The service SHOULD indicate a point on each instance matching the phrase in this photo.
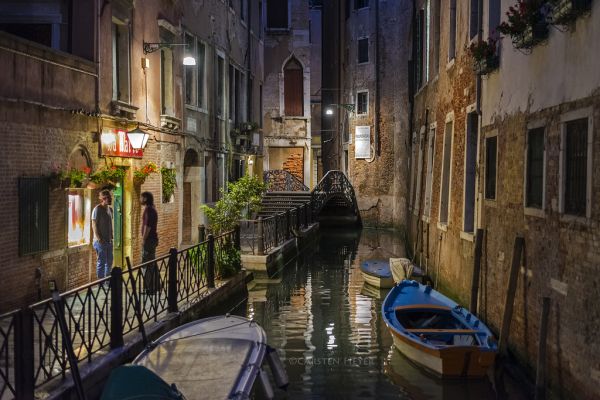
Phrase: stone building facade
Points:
(367, 98)
(514, 153)
(287, 91)
(77, 76)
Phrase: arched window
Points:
(293, 88)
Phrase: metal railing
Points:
(283, 181)
(334, 184)
(261, 235)
(99, 314)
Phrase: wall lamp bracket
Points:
(152, 47)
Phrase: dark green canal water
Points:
(326, 325)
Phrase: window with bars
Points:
(491, 146)
(277, 14)
(575, 188)
(534, 180)
(362, 102)
(446, 163)
(33, 215)
(363, 50)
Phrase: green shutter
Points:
(33, 215)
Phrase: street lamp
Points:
(137, 138)
(152, 47)
(329, 109)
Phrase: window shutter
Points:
(293, 92)
(33, 215)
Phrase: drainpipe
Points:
(377, 82)
(478, 86)
(99, 10)
(249, 62)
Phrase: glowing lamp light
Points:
(189, 60)
(329, 111)
(137, 138)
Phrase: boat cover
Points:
(379, 268)
(137, 382)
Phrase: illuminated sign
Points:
(362, 140)
(116, 144)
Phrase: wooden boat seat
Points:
(446, 331)
(422, 307)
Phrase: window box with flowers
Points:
(565, 12)
(107, 176)
(526, 25)
(140, 175)
(485, 56)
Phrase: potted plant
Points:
(140, 175)
(526, 23)
(110, 175)
(485, 55)
(169, 183)
(565, 12)
(74, 177)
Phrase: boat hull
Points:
(377, 281)
(462, 362)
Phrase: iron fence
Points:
(262, 235)
(8, 323)
(98, 315)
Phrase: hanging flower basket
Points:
(108, 175)
(565, 12)
(532, 35)
(485, 56)
(140, 175)
(526, 23)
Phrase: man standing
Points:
(102, 224)
(149, 242)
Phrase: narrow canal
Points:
(326, 324)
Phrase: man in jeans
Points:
(102, 224)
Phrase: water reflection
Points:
(326, 325)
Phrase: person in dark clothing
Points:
(149, 243)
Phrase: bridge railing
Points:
(283, 181)
(260, 236)
(334, 183)
(99, 314)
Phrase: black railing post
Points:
(24, 366)
(298, 218)
(210, 271)
(260, 238)
(276, 226)
(172, 282)
(288, 223)
(306, 208)
(237, 237)
(201, 233)
(116, 308)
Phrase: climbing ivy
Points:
(169, 183)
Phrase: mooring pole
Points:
(476, 271)
(540, 377)
(510, 293)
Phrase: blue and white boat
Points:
(436, 333)
(377, 273)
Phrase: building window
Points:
(166, 77)
(293, 88)
(491, 147)
(436, 35)
(474, 20)
(420, 145)
(493, 18)
(121, 61)
(429, 178)
(78, 223)
(195, 76)
(470, 168)
(358, 4)
(243, 6)
(534, 178)
(576, 168)
(232, 93)
(220, 85)
(363, 50)
(33, 215)
(419, 47)
(446, 164)
(362, 102)
(277, 14)
(452, 33)
(237, 90)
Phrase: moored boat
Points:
(212, 358)
(436, 333)
(377, 273)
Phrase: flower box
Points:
(486, 65)
(532, 35)
(565, 12)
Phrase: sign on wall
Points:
(116, 144)
(362, 139)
